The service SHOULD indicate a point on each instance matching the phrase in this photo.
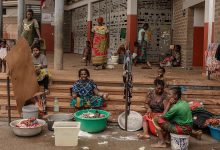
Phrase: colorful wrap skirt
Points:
(167, 126)
(93, 102)
(99, 50)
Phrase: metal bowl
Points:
(26, 131)
(58, 117)
(134, 121)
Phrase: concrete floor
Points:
(113, 138)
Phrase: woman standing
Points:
(30, 25)
(100, 44)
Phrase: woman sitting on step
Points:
(177, 118)
(85, 93)
(156, 101)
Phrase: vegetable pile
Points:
(212, 121)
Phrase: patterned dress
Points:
(28, 30)
(100, 45)
(85, 94)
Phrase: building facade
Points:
(192, 24)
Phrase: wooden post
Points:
(9, 98)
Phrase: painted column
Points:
(213, 22)
(20, 16)
(89, 22)
(131, 36)
(1, 19)
(58, 34)
(208, 25)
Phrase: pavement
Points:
(113, 138)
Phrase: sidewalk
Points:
(113, 138)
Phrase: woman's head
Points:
(159, 86)
(87, 43)
(177, 48)
(100, 20)
(84, 74)
(29, 14)
(175, 93)
(145, 26)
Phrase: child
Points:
(121, 52)
(177, 56)
(3, 53)
(161, 72)
(87, 53)
(134, 55)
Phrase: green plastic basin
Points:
(92, 125)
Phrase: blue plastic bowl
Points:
(215, 132)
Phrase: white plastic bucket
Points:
(179, 142)
(114, 59)
(30, 111)
(66, 133)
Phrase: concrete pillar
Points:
(89, 22)
(58, 34)
(131, 36)
(20, 16)
(1, 19)
(208, 26)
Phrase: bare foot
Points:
(198, 134)
(143, 136)
(159, 145)
(167, 141)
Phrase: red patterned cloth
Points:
(100, 45)
(160, 122)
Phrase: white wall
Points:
(199, 17)
(11, 12)
(190, 3)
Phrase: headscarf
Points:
(100, 20)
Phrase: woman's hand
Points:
(105, 96)
(37, 70)
(74, 95)
(172, 101)
(148, 110)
